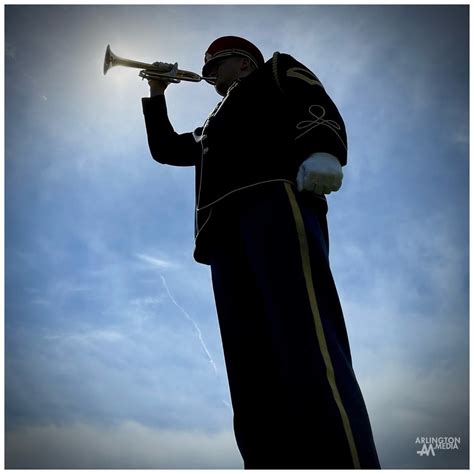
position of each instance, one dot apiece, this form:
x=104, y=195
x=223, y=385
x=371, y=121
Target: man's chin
x=220, y=90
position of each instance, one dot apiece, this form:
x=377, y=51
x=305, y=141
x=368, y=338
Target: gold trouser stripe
x=304, y=249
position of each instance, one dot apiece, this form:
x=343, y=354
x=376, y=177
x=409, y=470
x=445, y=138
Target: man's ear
x=245, y=64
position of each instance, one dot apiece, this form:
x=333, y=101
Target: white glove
x=166, y=67
x=321, y=173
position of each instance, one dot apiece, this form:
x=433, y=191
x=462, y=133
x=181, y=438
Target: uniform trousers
x=296, y=401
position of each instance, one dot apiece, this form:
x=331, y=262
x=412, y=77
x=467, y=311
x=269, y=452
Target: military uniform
x=296, y=400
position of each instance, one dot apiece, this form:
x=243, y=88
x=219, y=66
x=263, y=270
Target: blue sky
x=113, y=354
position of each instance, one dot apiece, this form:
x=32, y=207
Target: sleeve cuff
x=149, y=103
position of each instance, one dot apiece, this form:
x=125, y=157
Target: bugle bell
x=159, y=71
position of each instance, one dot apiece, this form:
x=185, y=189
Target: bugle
x=161, y=71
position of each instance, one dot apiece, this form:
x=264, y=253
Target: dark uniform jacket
x=264, y=128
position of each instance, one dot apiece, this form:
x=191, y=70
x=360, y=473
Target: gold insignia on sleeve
x=305, y=75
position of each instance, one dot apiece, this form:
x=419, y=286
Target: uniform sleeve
x=167, y=146
x=317, y=123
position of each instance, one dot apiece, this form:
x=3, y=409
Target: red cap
x=231, y=46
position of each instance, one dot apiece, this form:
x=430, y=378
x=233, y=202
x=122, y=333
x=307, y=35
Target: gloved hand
x=321, y=173
x=166, y=67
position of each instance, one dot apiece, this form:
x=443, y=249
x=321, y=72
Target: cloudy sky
x=113, y=354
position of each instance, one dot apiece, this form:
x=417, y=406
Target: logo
x=437, y=443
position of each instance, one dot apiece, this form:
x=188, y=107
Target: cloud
x=94, y=336
x=129, y=445
x=156, y=262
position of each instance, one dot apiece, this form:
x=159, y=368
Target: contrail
x=196, y=327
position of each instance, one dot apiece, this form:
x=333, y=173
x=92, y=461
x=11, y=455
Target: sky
x=113, y=356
